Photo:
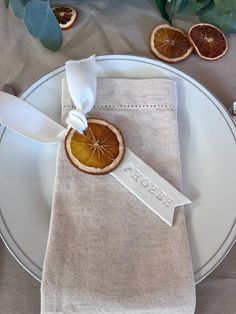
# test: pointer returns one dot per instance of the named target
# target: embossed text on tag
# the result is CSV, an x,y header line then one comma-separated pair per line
x,y
148,185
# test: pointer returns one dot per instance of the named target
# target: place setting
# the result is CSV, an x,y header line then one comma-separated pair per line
x,y
117,176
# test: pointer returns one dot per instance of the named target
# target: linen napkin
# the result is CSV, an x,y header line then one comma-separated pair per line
x,y
107,252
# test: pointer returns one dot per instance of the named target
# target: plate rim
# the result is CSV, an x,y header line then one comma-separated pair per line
x,y
123,57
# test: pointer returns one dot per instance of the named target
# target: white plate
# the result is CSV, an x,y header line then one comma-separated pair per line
x,y
208,153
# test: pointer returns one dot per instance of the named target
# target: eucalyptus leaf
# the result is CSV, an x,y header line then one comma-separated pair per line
x,y
42,23
191,7
211,14
6,2
18,7
226,6
161,4
175,6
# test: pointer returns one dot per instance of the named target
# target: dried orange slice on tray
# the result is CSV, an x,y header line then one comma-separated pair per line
x,y
65,15
99,150
169,43
208,41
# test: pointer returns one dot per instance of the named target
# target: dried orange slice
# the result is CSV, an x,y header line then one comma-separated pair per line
x,y
169,43
208,41
99,150
65,15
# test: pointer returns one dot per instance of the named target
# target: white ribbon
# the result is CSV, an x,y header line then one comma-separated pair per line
x,y
82,83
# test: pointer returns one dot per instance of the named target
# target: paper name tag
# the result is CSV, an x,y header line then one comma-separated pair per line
x,y
149,187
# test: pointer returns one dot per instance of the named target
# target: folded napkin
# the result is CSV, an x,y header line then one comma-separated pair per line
x,y
107,252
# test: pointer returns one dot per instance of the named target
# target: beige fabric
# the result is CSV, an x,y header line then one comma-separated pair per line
x,y
107,252
106,26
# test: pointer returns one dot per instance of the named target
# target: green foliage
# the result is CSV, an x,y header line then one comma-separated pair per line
x,y
174,6
6,2
226,6
42,23
221,13
191,7
161,4
39,21
18,7
224,20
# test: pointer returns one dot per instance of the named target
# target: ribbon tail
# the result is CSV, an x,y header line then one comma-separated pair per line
x,y
19,116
